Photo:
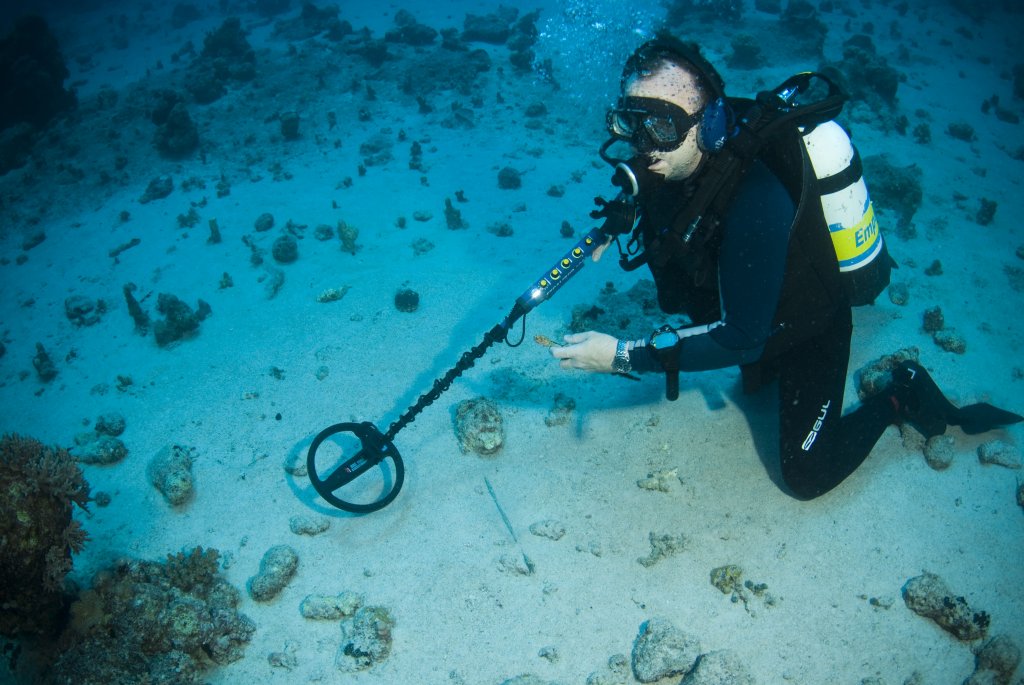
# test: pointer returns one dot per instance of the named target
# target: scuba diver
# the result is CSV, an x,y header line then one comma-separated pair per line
x,y
744,235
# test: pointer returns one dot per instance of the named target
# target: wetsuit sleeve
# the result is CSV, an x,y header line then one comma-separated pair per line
x,y
751,265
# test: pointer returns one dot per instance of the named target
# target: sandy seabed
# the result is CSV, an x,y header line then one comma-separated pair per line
x,y
250,390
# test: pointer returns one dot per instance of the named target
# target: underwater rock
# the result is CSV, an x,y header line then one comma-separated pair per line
x,y
38,487
179,319
663,546
615,672
950,341
92,448
520,43
139,316
1000,656
82,311
410,31
313,21
986,211
661,650
152,622
502,229
895,188
549,528
32,75
729,580
170,472
161,102
44,366
561,411
933,320
632,314
407,300
347,235
999,453
659,481
927,595
479,426
865,75
517,564
285,249
961,130
899,294
365,639
720,667
876,376
509,178
803,30
494,28
264,222
290,125
333,294
159,188
178,135
277,567
376,150
453,216
330,607
301,524
746,53
273,281
227,57
939,451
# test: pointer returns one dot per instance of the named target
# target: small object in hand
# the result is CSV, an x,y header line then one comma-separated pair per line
x,y
545,341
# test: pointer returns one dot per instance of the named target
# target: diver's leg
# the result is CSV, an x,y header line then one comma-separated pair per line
x,y
922,405
818,446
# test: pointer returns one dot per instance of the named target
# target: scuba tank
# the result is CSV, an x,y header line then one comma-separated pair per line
x,y
864,261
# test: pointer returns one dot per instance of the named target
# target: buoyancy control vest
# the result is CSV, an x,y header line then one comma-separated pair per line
x,y
836,254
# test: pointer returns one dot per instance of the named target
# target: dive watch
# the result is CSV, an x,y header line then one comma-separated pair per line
x,y
621,363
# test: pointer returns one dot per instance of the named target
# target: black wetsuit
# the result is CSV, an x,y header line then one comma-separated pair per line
x,y
818,446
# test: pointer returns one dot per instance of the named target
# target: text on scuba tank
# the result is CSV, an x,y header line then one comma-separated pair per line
x,y
866,235
818,423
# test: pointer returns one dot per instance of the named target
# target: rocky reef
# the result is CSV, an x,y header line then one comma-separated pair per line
x,y
38,487
153,622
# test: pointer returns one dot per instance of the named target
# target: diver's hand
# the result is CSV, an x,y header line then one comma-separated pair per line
x,y
589,351
599,250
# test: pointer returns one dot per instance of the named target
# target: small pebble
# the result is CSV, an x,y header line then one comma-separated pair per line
x,y
999,453
939,452
302,524
950,341
276,568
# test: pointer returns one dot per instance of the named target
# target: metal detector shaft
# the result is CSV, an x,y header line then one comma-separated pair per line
x,y
376,446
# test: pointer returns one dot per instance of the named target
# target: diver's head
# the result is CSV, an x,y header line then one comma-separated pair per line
x,y
672,109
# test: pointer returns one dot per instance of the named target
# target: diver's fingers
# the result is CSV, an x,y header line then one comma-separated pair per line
x,y
577,338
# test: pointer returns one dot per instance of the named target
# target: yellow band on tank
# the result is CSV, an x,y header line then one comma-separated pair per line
x,y
855,243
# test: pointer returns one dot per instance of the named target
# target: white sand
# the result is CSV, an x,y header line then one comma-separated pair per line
x,y
433,556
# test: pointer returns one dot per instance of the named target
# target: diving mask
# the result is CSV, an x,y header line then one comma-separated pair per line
x,y
650,124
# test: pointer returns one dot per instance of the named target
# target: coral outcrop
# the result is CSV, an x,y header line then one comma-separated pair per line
x,y
32,75
38,487
153,622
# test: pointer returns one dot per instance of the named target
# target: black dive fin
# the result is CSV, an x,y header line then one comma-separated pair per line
x,y
982,417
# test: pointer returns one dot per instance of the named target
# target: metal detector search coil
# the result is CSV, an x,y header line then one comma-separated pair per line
x,y
375,447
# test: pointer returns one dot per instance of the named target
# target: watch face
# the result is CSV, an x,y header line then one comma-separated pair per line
x,y
664,339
